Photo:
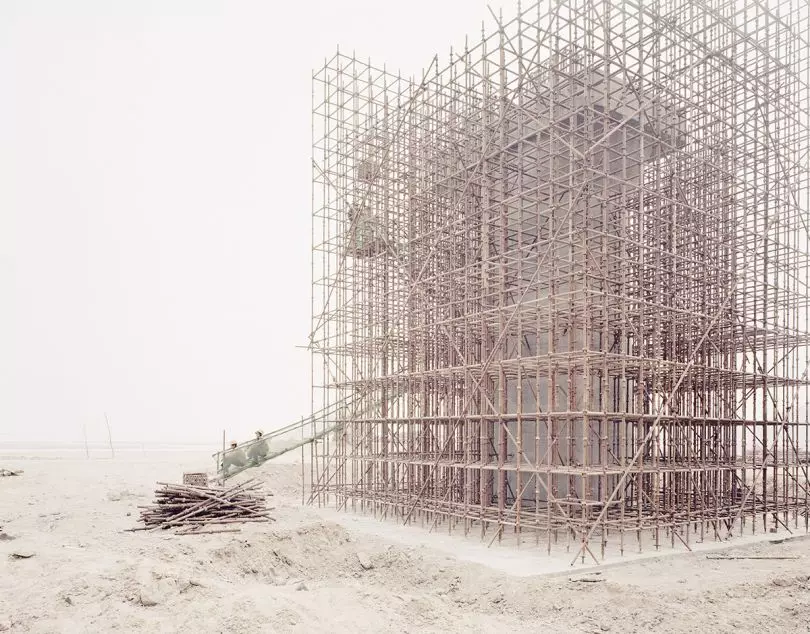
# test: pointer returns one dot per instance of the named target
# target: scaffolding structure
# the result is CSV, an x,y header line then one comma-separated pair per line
x,y
560,281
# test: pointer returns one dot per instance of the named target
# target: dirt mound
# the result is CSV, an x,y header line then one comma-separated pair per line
x,y
316,551
280,557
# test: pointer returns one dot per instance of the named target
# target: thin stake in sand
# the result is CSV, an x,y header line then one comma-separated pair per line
x,y
109,434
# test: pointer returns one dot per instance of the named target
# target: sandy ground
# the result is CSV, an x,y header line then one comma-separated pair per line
x,y
302,573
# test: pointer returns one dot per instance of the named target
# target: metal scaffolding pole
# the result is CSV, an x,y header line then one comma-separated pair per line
x,y
560,283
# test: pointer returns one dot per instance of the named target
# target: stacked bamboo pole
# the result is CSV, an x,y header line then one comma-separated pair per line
x,y
193,508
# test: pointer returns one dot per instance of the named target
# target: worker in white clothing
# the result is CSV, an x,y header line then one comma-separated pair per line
x,y
258,450
233,458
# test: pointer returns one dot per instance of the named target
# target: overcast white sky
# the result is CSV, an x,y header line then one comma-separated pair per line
x,y
155,205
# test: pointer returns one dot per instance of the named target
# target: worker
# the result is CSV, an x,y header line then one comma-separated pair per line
x,y
233,458
258,450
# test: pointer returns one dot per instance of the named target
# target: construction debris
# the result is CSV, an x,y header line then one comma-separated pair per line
x,y
722,557
592,578
196,478
192,508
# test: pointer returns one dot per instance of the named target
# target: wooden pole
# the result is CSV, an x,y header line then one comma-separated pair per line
x,y
109,434
86,448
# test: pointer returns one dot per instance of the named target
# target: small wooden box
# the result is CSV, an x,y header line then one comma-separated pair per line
x,y
196,479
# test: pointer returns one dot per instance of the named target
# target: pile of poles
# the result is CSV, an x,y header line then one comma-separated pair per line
x,y
193,508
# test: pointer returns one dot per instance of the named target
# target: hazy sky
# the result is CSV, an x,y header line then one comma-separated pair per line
x,y
155,205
